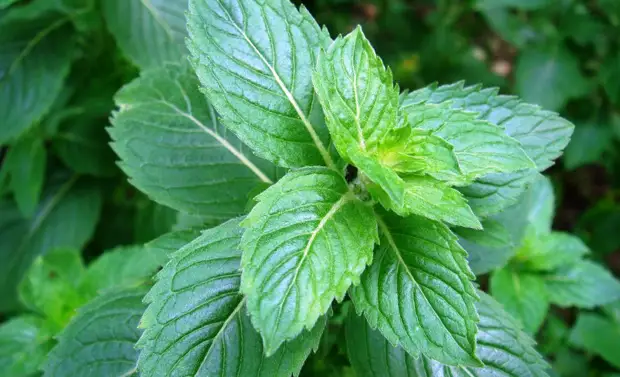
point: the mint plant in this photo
(350, 187)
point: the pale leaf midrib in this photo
(309, 127)
(240, 156)
(388, 235)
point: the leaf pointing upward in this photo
(253, 59)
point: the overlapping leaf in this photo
(307, 240)
(24, 344)
(149, 32)
(100, 339)
(487, 249)
(254, 61)
(197, 325)
(358, 96)
(173, 147)
(418, 291)
(502, 346)
(25, 164)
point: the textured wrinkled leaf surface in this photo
(174, 149)
(358, 95)
(418, 291)
(543, 134)
(254, 60)
(523, 296)
(149, 32)
(502, 346)
(196, 323)
(99, 341)
(584, 284)
(307, 240)
(66, 217)
(480, 147)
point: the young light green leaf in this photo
(99, 341)
(550, 251)
(174, 149)
(584, 284)
(542, 134)
(480, 147)
(122, 267)
(149, 32)
(25, 162)
(597, 335)
(418, 291)
(50, 288)
(487, 249)
(254, 61)
(24, 344)
(428, 197)
(523, 295)
(307, 241)
(36, 57)
(357, 92)
(502, 346)
(196, 323)
(383, 183)
(424, 153)
(66, 218)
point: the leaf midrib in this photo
(309, 127)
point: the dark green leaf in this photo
(597, 335)
(588, 144)
(502, 346)
(418, 291)
(174, 149)
(196, 323)
(487, 249)
(25, 162)
(99, 341)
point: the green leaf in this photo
(382, 182)
(487, 249)
(609, 77)
(121, 267)
(25, 162)
(196, 323)
(584, 284)
(480, 147)
(36, 57)
(428, 197)
(66, 218)
(549, 77)
(152, 220)
(588, 144)
(517, 4)
(542, 134)
(174, 149)
(307, 241)
(99, 341)
(50, 288)
(550, 251)
(418, 291)
(24, 344)
(148, 32)
(523, 295)
(425, 153)
(254, 61)
(358, 95)
(502, 346)
(597, 335)
(491, 194)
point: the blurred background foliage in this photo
(61, 61)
